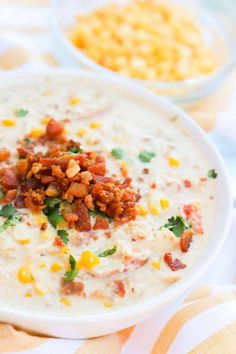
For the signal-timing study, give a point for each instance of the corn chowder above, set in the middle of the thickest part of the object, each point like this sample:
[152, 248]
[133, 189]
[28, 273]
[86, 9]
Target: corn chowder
[104, 203]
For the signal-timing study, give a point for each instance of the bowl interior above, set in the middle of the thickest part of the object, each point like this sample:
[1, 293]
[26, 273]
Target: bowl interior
[223, 200]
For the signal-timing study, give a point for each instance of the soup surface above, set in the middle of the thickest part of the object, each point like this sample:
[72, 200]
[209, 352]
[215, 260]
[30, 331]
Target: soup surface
[105, 202]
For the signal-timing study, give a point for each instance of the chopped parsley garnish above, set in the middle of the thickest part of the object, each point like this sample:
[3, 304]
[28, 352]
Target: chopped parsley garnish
[64, 235]
[118, 153]
[95, 212]
[76, 150]
[108, 252]
[21, 112]
[71, 274]
[177, 225]
[52, 211]
[212, 174]
[52, 202]
[146, 156]
[28, 141]
[12, 218]
[8, 210]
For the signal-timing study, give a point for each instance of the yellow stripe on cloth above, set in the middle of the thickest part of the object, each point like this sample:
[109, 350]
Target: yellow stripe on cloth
[222, 342]
[176, 322]
[14, 340]
[111, 344]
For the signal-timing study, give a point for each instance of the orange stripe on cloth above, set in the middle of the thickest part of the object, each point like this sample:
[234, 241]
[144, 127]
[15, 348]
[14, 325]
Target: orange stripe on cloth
[111, 344]
[14, 340]
[222, 342]
[176, 322]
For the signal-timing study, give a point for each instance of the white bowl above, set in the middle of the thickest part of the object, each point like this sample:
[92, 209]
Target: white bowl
[87, 326]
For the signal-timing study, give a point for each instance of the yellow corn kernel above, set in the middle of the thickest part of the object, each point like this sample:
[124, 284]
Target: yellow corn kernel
[164, 203]
[141, 210]
[24, 241]
[95, 125]
[74, 101]
[81, 132]
[108, 304]
[42, 265]
[89, 259]
[174, 163]
[65, 301]
[25, 275]
[38, 290]
[8, 122]
[154, 209]
[64, 250]
[28, 294]
[36, 133]
[40, 220]
[55, 267]
[124, 164]
[156, 265]
[45, 120]
[79, 264]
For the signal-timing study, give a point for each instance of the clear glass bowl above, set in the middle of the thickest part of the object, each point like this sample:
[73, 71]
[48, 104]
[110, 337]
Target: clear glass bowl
[216, 18]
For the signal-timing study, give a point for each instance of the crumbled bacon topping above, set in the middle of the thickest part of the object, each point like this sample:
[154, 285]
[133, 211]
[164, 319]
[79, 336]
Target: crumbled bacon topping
[119, 288]
[66, 172]
[173, 264]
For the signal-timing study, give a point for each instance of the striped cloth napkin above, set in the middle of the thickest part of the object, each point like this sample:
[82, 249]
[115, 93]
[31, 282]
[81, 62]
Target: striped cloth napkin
[205, 323]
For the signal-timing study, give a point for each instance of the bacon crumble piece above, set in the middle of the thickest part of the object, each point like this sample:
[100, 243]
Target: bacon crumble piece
[173, 264]
[4, 154]
[72, 288]
[187, 183]
[101, 223]
[9, 179]
[119, 288]
[61, 169]
[58, 242]
[9, 196]
[54, 129]
[193, 216]
[185, 240]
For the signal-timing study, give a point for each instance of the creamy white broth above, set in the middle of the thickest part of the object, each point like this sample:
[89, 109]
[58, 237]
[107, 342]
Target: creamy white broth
[132, 126]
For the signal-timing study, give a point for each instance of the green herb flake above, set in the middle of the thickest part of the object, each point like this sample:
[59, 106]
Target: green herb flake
[64, 235]
[76, 150]
[52, 211]
[177, 225]
[52, 202]
[118, 153]
[21, 112]
[71, 274]
[108, 252]
[54, 217]
[8, 210]
[28, 141]
[146, 156]
[12, 218]
[212, 174]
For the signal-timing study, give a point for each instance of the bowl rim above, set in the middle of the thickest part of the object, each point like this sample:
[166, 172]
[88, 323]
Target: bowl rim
[202, 81]
[167, 295]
